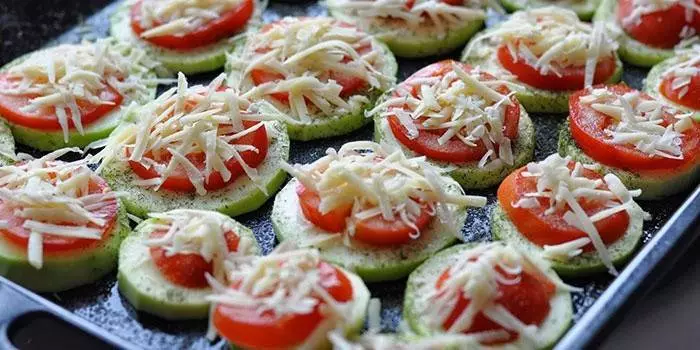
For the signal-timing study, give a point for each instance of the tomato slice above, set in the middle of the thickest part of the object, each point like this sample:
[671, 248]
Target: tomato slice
[333, 221]
[10, 108]
[571, 78]
[588, 130]
[528, 300]
[691, 99]
[227, 24]
[551, 229]
[454, 150]
[251, 329]
[53, 244]
[660, 29]
[187, 270]
[180, 182]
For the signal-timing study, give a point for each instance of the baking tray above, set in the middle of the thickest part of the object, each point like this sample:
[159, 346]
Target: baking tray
[102, 312]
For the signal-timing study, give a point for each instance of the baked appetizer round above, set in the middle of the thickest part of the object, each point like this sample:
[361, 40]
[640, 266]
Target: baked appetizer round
[465, 121]
[502, 295]
[414, 28]
[581, 221]
[163, 265]
[649, 30]
[198, 147]
[72, 95]
[184, 36]
[60, 223]
[371, 209]
[289, 299]
[550, 53]
[647, 144]
[585, 9]
[676, 81]
[320, 74]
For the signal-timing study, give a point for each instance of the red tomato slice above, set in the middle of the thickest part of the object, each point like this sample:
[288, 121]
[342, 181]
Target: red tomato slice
[180, 182]
[227, 24]
[572, 78]
[46, 119]
[333, 221]
[454, 150]
[250, 329]
[691, 99]
[52, 244]
[551, 229]
[187, 270]
[660, 29]
[588, 129]
[527, 300]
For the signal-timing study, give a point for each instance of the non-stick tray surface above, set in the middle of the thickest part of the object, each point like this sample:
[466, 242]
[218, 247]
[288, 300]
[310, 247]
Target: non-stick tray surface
[101, 303]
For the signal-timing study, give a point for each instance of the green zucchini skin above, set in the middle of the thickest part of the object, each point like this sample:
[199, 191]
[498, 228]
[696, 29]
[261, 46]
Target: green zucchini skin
[653, 185]
[67, 270]
[631, 51]
[585, 9]
[534, 99]
[200, 60]
[142, 284]
[7, 145]
[406, 44]
[469, 175]
[655, 76]
[239, 197]
[425, 276]
[371, 263]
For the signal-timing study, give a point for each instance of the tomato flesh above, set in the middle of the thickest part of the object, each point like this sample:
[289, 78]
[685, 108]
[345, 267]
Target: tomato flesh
[551, 229]
[454, 150]
[46, 119]
[659, 29]
[16, 234]
[228, 23]
[179, 181]
[588, 128]
[187, 270]
[528, 300]
[571, 78]
[691, 99]
[332, 221]
[248, 328]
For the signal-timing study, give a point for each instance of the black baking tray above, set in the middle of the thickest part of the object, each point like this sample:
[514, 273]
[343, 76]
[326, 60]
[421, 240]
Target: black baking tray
[100, 311]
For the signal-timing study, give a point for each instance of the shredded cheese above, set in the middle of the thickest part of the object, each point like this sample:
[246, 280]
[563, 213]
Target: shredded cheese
[682, 73]
[641, 8]
[372, 341]
[181, 17]
[464, 104]
[54, 198]
[62, 78]
[300, 53]
[187, 120]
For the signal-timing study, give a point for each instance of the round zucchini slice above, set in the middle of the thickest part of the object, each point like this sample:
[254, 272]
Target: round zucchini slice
[142, 284]
[407, 43]
[425, 276]
[369, 262]
[654, 184]
[66, 270]
[470, 175]
[585, 9]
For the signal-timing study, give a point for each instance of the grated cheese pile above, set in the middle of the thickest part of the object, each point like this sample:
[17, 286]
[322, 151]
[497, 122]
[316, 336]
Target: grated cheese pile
[182, 121]
[681, 74]
[65, 76]
[53, 198]
[303, 52]
[285, 282]
[200, 232]
[434, 15]
[641, 8]
[180, 17]
[376, 181]
[551, 38]
[462, 103]
[638, 120]
[476, 276]
[370, 341]
[563, 188]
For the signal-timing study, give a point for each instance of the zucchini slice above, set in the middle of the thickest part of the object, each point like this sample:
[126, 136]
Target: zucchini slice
[369, 262]
[654, 185]
[67, 270]
[425, 276]
[585, 9]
